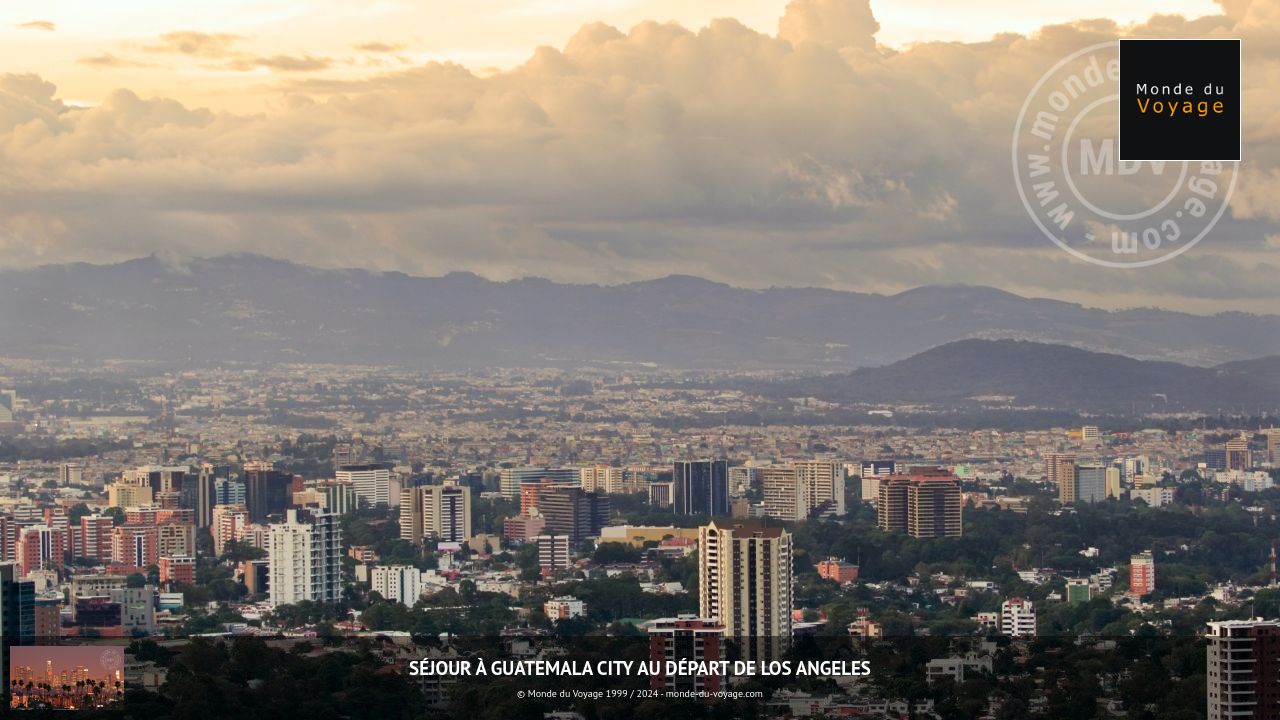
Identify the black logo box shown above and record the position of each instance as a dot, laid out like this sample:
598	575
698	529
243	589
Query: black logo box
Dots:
1184	63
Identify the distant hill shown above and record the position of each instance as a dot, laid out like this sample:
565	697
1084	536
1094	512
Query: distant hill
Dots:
976	372
247	307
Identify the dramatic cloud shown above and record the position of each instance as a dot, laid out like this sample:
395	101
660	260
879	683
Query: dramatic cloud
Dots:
811	157
43	25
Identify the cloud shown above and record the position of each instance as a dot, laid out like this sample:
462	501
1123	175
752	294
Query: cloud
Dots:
43	25
379	47
188	42
108	60
283	63
809	157
832	23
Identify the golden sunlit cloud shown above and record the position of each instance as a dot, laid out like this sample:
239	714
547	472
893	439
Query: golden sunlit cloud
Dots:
44	25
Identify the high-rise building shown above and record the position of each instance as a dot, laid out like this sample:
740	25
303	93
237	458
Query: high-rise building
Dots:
1242	672
398	583
331	496
268	491
442	512
601	478
70	474
135	546
1091	483
1142	574
1090	435
40	546
174	539
1273	445
1238	454
123	494
371	481
701	487
744	584
178	569
207	489
1018	618
95	537
554	553
305	559
684	638
802	490
230	522
925	504
17	612
510	480
573	512
1060	472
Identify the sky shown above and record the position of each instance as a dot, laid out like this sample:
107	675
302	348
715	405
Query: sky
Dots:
833	143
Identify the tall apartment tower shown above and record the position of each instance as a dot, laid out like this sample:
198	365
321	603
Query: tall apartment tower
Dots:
701	487
1242	672
745	576
1142	574
442	512
17	613
1238	454
601	478
305	559
926	504
1060	472
802	490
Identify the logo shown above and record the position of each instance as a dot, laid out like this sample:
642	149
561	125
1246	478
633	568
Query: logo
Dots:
1082	196
111	658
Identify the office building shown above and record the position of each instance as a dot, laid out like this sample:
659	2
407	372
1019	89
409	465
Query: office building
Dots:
745	584
70	474
208	479
573	512
662	494
701	487
1142	574
371	482
510	480
1242	670
175	539
305	559
1091	483
685	638
398	583
17	612
268	492
1237	452
1090	435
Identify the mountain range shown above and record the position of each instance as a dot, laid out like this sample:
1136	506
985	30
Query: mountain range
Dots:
253	308
993	373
